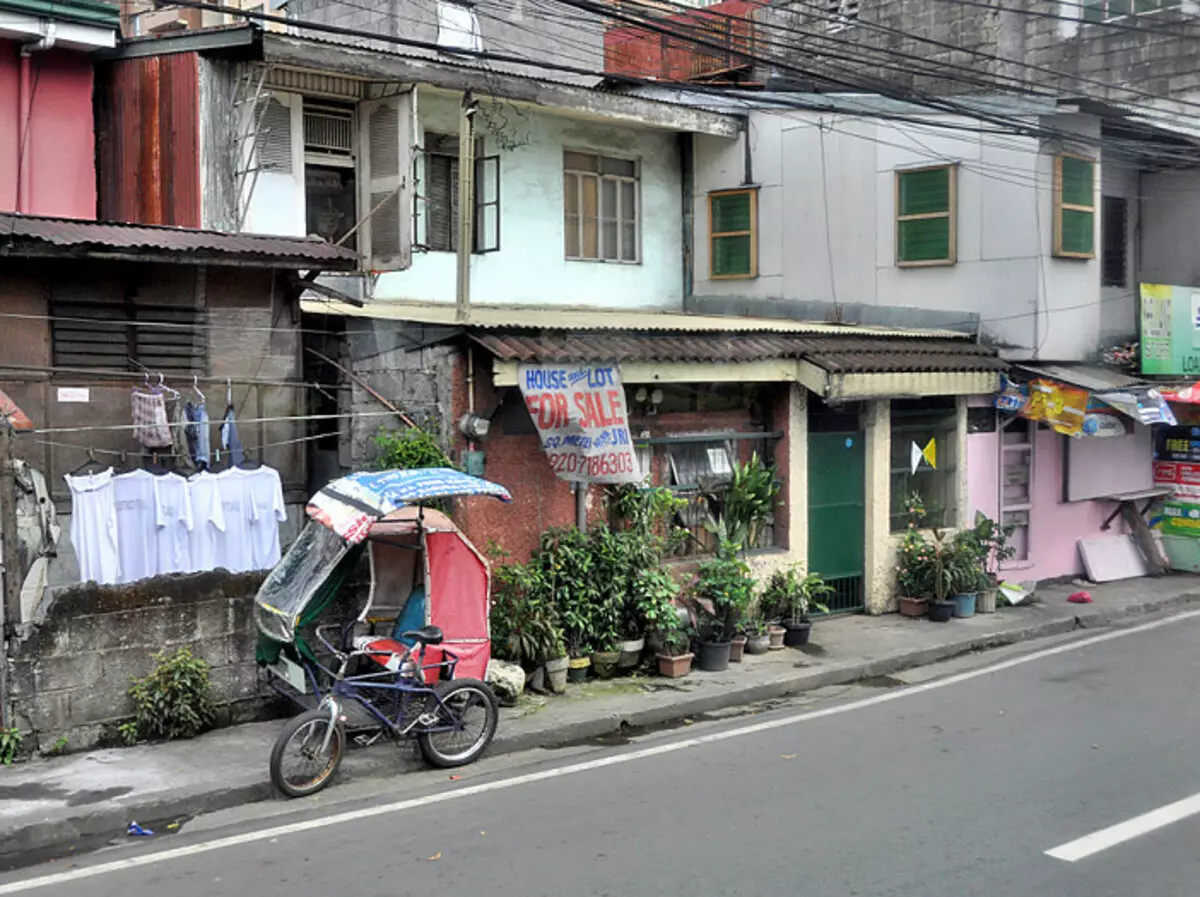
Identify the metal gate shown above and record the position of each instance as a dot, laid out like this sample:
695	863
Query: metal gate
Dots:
837	514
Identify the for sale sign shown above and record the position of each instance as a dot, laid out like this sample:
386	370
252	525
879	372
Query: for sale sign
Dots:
579	412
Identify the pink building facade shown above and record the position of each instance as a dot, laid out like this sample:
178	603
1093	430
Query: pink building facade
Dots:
47	130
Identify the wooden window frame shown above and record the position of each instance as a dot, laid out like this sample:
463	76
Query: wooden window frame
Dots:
1060	207
600	177
752	233
951	213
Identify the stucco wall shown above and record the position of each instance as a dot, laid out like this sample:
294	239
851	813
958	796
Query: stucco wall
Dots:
1055	526
827	228
59	153
530	267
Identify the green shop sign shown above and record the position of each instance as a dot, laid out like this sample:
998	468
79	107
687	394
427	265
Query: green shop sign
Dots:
1170	329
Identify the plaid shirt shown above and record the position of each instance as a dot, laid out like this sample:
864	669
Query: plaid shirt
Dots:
150	420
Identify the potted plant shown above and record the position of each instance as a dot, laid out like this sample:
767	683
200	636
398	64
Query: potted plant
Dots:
723	590
774	604
675	660
969	573
737	646
651	609
804	598
914	571
991	540
775	635
941	609
557	665
758	641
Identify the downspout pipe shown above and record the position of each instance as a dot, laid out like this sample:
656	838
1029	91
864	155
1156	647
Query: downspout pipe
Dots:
687	167
25	112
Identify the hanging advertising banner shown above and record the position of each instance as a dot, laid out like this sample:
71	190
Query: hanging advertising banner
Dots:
1145	405
1189	395
1062	408
1180	476
579	412
1170	341
1103	425
1180	519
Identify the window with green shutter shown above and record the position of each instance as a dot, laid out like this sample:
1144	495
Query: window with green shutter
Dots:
1074	207
925	216
733	234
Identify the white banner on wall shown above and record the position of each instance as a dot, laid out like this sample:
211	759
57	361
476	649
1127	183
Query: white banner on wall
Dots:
579	412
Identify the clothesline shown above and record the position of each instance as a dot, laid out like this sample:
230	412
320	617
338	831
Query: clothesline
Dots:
251	420
116	453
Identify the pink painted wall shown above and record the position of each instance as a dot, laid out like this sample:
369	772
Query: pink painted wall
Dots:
1055	526
60	152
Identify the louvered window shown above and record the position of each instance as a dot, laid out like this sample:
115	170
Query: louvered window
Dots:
96	331
275	137
329	132
386	199
439	192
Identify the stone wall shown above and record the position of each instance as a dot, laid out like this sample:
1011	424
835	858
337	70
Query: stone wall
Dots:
69	672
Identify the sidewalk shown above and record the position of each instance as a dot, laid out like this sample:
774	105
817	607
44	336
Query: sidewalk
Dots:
56	805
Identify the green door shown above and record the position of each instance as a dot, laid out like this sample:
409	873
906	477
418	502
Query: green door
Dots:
836	515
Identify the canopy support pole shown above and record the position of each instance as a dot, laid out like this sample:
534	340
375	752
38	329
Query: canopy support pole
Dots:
581	491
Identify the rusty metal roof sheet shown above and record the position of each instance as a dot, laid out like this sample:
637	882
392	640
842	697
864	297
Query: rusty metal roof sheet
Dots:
31	235
849	354
538	319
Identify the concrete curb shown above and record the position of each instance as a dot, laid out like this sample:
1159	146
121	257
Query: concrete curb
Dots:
50	838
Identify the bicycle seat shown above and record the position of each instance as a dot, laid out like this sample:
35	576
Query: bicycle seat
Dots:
429	635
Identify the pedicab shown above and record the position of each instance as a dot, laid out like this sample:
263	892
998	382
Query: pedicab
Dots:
411	663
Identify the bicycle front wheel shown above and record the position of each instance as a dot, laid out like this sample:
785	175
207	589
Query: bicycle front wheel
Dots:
470	707
304	760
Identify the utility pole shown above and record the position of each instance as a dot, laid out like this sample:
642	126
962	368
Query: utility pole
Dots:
10	608
466	207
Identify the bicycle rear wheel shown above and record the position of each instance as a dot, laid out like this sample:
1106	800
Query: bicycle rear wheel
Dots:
472	708
303	760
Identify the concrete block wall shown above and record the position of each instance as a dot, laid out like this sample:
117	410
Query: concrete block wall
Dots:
70	672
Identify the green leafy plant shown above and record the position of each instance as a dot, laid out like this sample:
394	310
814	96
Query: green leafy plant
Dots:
914	567
175	699
790	594
57	747
409	450
524	622
747	504
723	589
754	625
677	642
989	540
128	732
943	565
10	745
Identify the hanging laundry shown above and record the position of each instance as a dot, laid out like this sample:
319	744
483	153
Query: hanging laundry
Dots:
208	522
229	438
264	489
133	494
173	524
177	413
150	419
94	526
198	439
233	545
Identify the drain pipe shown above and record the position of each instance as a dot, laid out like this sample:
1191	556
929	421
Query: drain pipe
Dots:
25	111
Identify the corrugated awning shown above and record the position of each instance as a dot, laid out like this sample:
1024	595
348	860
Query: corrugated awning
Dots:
836	367
33	236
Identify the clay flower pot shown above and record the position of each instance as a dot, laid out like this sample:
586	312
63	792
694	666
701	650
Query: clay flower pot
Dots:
674	667
736	648
913	607
775	636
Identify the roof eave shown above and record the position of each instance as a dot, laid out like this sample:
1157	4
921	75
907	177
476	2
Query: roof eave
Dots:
39	250
372	65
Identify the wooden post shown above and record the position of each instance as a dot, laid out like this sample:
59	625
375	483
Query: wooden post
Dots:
466	207
10	608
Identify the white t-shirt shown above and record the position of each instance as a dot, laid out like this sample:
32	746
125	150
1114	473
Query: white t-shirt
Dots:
94	526
173	524
264	491
133	494
233	545
208	521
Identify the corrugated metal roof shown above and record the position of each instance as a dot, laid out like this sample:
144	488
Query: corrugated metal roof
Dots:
539	318
30	235
849	354
1092	377
83	12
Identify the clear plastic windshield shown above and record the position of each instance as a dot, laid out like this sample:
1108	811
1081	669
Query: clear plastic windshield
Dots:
289	588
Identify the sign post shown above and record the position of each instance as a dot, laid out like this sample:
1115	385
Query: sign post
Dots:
580	415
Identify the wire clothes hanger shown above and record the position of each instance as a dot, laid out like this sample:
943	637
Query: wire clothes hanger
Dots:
91	465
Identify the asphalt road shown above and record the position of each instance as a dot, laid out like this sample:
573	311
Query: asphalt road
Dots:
956	786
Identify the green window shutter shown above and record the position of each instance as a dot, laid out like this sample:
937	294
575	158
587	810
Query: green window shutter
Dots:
924	239
732	232
731	212
1078	182
1077	232
925	192
731	256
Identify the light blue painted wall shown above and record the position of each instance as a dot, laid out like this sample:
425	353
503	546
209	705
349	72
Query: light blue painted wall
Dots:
530	268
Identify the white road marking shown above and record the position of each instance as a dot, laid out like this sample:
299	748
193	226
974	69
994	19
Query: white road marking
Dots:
1082	848
295	828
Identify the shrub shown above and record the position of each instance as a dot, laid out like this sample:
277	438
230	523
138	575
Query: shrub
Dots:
10	745
174	701
409	450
